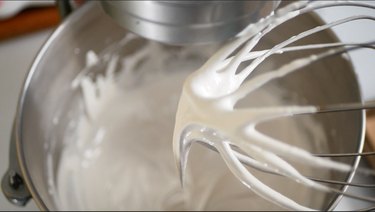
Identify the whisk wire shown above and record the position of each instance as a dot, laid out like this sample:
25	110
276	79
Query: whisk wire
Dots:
252	163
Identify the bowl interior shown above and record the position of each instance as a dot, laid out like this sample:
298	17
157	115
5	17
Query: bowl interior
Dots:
49	105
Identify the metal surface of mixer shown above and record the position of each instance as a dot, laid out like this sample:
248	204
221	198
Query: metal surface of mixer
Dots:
187	22
183	22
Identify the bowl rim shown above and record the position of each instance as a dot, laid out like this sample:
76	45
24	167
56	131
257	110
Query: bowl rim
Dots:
20	105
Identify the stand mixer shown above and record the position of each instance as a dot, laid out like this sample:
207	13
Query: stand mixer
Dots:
206	25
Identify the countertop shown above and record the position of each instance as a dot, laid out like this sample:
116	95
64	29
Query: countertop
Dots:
16	56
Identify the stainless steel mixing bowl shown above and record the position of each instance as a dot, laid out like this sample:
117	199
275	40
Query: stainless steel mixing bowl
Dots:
47	95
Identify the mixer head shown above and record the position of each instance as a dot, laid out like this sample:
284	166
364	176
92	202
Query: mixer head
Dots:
187	22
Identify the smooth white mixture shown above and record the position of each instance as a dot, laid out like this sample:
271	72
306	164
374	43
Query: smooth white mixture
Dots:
122	158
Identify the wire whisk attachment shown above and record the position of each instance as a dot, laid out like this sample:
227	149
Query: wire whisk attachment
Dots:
207	112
